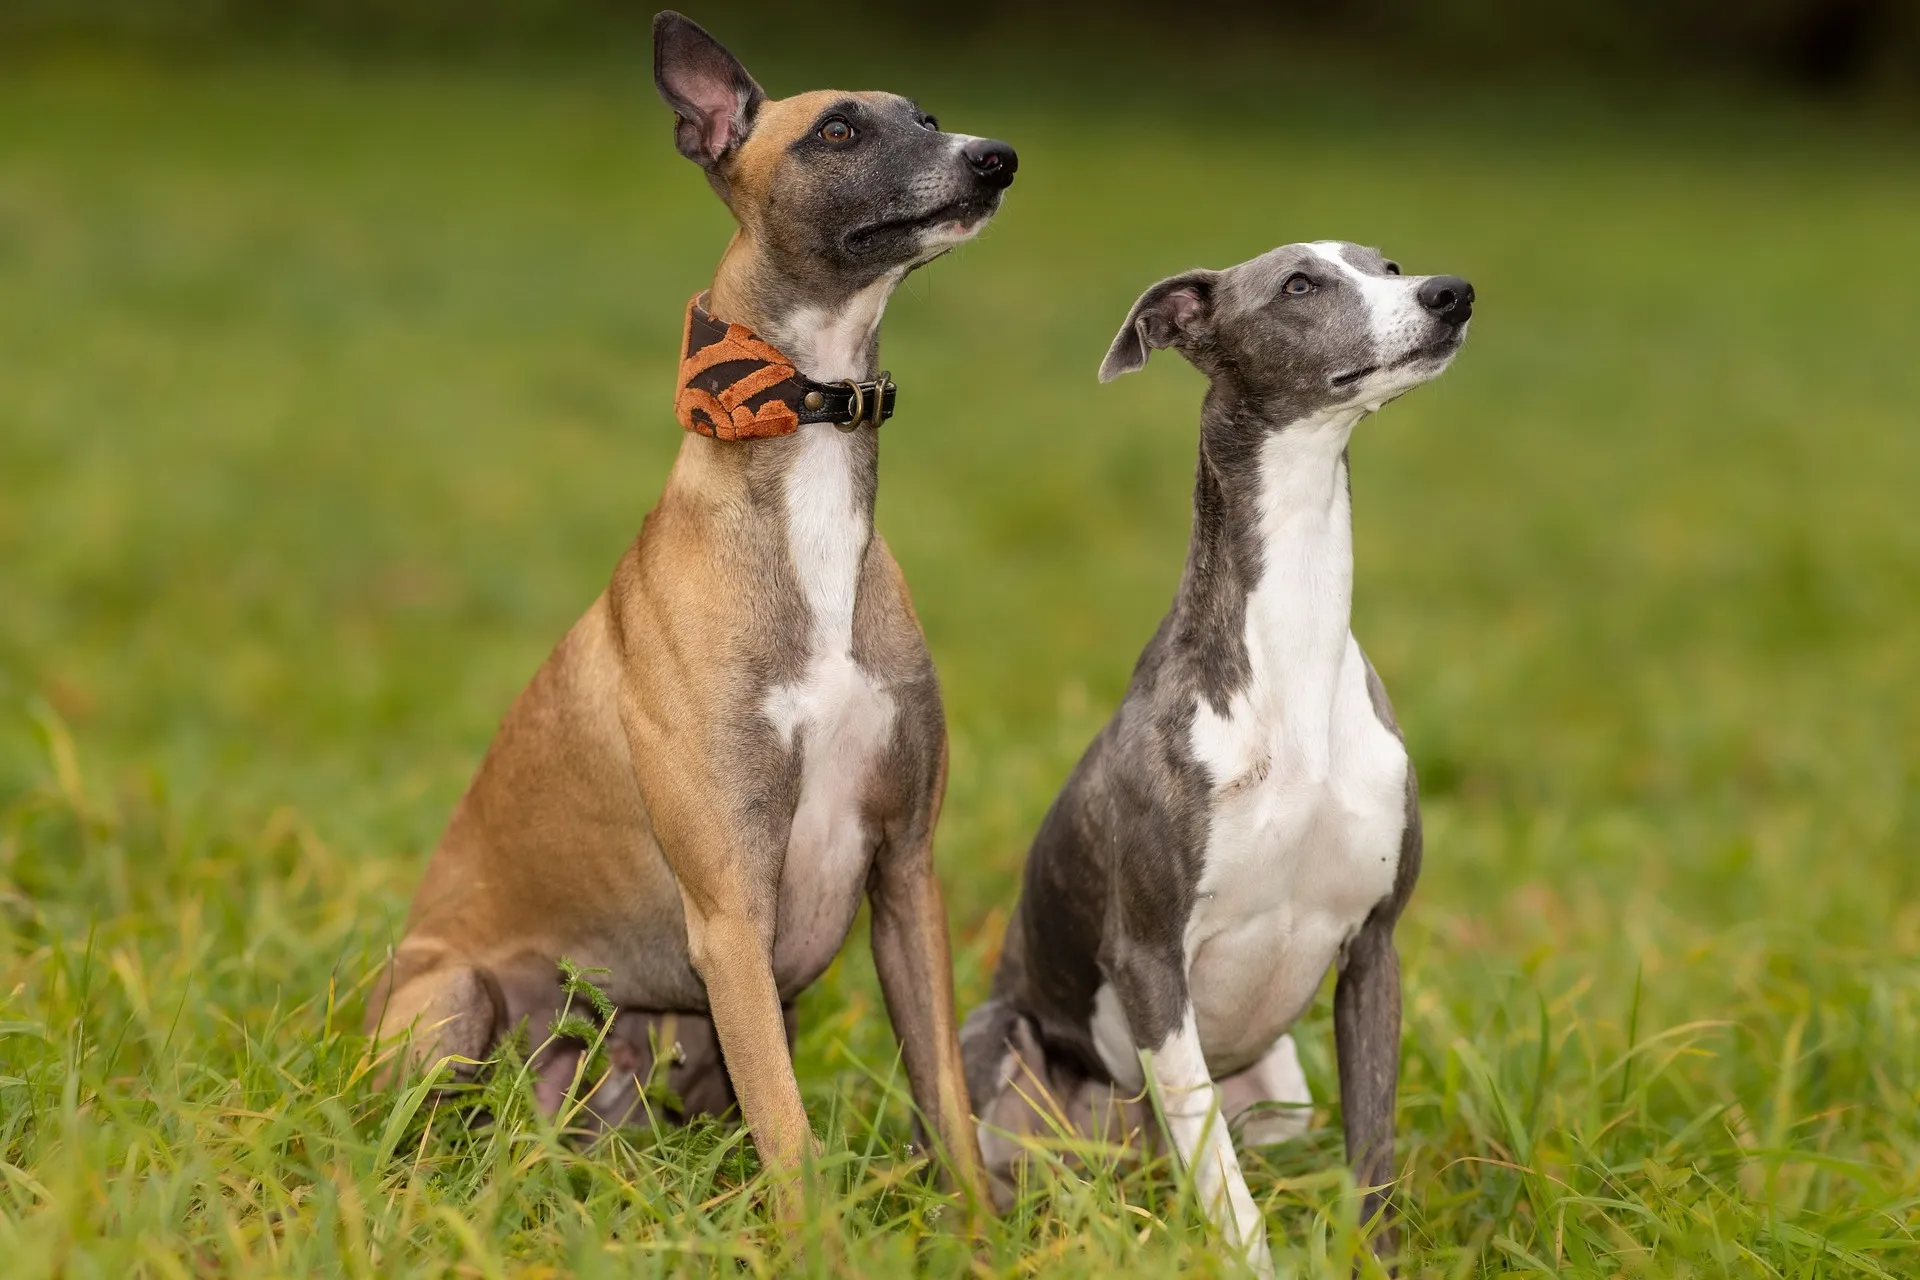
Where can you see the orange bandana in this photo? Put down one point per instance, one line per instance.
(733, 386)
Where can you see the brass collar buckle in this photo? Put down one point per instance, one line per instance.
(867, 403)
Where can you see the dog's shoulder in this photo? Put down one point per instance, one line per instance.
(887, 636)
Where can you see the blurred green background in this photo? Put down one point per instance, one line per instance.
(336, 350)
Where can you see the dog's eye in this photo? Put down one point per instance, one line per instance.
(837, 131)
(1297, 284)
(1393, 268)
(929, 124)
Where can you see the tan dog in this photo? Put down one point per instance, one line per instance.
(744, 733)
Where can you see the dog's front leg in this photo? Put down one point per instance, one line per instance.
(730, 942)
(912, 955)
(1366, 1030)
(727, 856)
(1175, 1068)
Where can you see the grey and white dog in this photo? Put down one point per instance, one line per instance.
(1249, 818)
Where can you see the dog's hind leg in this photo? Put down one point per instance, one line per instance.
(1028, 1100)
(1014, 1092)
(1000, 1055)
(1269, 1101)
(444, 1010)
(663, 1066)
(985, 1050)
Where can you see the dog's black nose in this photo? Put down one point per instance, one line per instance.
(994, 162)
(1449, 298)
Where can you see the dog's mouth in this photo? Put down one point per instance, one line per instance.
(1437, 352)
(1341, 381)
(967, 216)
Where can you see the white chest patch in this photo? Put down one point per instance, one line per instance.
(838, 716)
(1308, 786)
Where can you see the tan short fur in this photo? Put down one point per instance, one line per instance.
(636, 811)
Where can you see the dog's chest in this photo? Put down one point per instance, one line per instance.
(1306, 804)
(837, 716)
(1301, 846)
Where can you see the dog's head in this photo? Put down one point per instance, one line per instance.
(1306, 329)
(852, 186)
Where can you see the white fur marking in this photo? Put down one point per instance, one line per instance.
(1113, 1039)
(1276, 1078)
(838, 715)
(1308, 785)
(1393, 307)
(831, 346)
(1400, 326)
(1199, 1133)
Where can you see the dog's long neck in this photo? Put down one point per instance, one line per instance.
(815, 488)
(830, 334)
(1267, 594)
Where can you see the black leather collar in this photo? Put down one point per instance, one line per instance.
(734, 386)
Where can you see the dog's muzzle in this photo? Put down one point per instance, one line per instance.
(1447, 298)
(992, 161)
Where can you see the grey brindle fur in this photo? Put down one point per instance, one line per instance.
(1119, 892)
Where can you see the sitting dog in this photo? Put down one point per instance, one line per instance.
(1248, 818)
(743, 735)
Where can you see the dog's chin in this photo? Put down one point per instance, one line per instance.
(923, 237)
(942, 236)
(1375, 384)
(1369, 388)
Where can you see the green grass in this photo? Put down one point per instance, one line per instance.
(329, 398)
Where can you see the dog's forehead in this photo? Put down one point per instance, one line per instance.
(1255, 281)
(1363, 259)
(1259, 279)
(785, 119)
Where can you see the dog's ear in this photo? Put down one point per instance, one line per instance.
(713, 98)
(1167, 315)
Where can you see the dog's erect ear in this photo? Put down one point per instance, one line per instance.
(712, 95)
(1167, 315)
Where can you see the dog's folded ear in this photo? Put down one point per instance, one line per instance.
(712, 95)
(1167, 315)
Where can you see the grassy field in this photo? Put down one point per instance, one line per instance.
(329, 398)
